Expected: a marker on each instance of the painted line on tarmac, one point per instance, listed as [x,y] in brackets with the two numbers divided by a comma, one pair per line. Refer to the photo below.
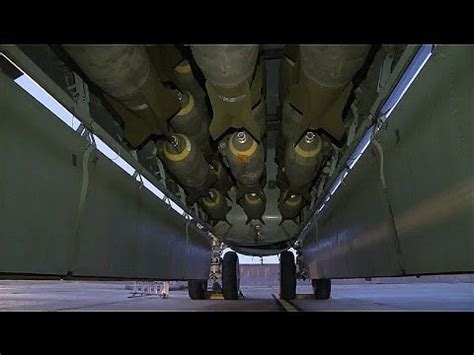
[286,306]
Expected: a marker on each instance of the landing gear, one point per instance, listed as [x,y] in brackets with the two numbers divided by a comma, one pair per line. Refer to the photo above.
[287,276]
[321,288]
[301,268]
[230,276]
[197,289]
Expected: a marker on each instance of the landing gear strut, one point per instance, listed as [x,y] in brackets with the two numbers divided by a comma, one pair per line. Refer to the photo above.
[198,288]
[216,263]
[321,288]
[230,276]
[287,276]
[301,268]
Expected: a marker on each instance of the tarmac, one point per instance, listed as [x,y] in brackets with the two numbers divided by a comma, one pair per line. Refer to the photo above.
[117,296]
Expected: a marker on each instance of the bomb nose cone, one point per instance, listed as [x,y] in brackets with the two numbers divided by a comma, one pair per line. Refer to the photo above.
[310,142]
[242,141]
[241,137]
[175,144]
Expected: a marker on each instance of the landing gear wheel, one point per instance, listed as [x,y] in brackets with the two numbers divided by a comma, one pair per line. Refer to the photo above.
[230,276]
[321,288]
[287,276]
[197,289]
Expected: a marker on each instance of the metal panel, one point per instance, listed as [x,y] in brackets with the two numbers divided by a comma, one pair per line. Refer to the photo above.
[118,214]
[355,232]
[38,184]
[125,231]
[423,222]
[272,99]
[428,149]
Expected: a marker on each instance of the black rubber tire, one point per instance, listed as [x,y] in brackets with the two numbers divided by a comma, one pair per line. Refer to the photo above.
[321,288]
[197,289]
[230,276]
[287,276]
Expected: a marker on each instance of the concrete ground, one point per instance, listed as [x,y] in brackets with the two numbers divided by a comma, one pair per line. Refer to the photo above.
[113,296]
